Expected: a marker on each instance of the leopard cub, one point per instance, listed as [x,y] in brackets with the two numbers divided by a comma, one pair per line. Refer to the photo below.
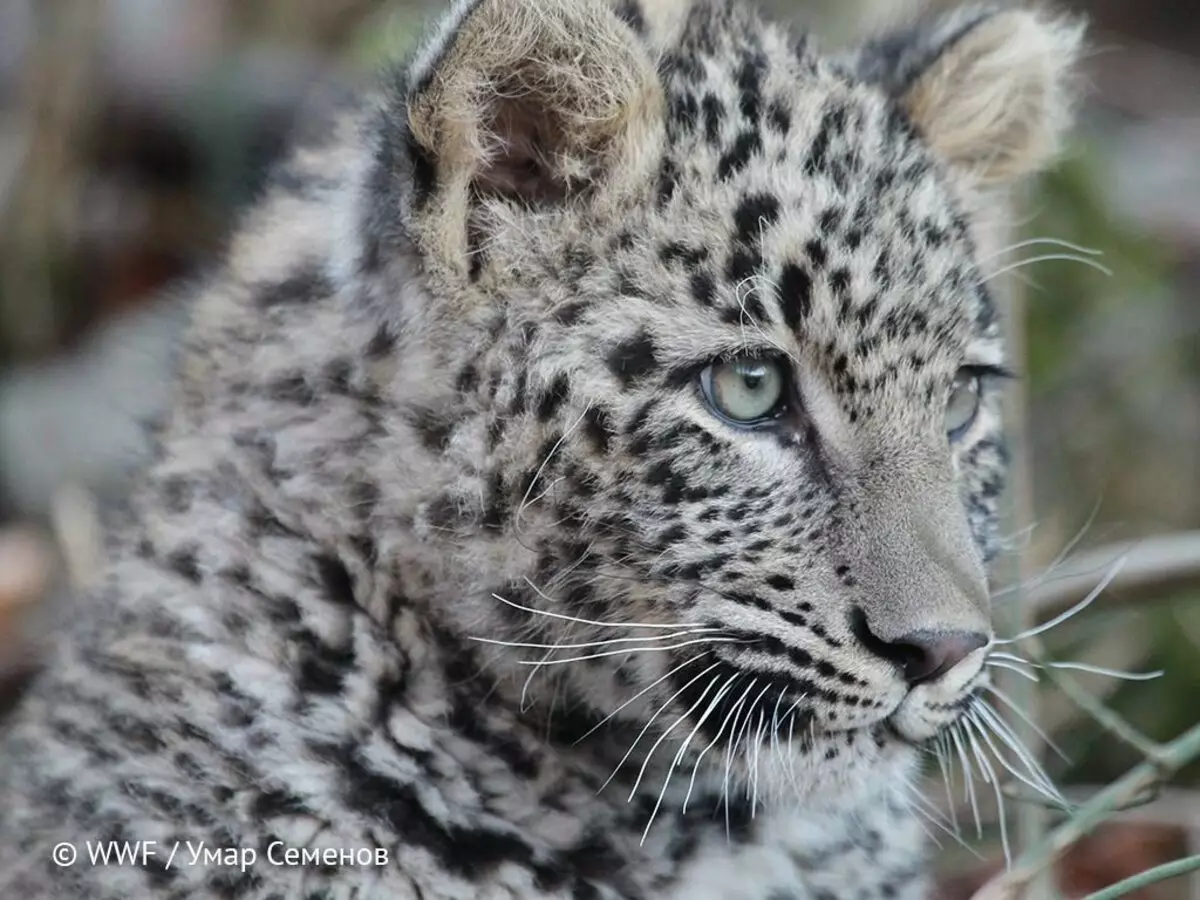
[579,482]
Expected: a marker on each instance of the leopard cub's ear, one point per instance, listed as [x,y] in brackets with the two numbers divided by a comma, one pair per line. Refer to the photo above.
[532,102]
[989,89]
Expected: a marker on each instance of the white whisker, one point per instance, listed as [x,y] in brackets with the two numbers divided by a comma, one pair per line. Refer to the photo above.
[735,714]
[671,768]
[604,643]
[1079,607]
[1037,778]
[1101,670]
[699,723]
[758,742]
[629,651]
[566,618]
[968,777]
[1049,257]
[641,734]
[666,733]
[1008,701]
[946,770]
[1001,664]
[1043,241]
[525,501]
[989,777]
[657,681]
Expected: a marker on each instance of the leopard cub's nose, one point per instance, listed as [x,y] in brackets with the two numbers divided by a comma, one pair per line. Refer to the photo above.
[922,656]
[925,656]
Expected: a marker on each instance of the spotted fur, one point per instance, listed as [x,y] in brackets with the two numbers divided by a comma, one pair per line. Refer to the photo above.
[444,553]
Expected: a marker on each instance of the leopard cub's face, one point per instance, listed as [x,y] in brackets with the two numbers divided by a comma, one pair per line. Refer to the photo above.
[725,364]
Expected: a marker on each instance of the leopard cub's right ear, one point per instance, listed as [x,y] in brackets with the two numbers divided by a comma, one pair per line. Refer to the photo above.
[990,88]
[525,105]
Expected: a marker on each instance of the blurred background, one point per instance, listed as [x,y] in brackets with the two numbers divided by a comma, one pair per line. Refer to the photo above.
[132,131]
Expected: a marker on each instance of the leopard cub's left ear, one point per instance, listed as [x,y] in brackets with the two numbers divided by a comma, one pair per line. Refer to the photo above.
[991,90]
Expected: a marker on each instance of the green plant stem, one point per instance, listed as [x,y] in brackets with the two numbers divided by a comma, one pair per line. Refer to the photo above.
[1035,860]
[1172,869]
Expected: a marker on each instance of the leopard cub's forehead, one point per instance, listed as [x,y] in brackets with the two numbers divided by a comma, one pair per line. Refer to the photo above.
[792,203]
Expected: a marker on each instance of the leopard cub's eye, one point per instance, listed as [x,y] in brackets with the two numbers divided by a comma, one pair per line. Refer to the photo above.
[963,403]
[744,391]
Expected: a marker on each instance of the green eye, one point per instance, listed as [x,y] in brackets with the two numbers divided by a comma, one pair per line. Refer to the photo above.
[744,391]
[963,404]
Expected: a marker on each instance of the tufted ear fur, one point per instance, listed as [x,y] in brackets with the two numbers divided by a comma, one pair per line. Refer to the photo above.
[532,101]
[988,88]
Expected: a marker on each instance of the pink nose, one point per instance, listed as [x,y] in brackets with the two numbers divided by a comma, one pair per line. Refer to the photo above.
[926,656]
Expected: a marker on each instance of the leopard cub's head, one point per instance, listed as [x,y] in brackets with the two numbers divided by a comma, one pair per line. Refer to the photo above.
[704,358]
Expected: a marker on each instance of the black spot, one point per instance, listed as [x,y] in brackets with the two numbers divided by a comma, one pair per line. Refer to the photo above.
[703,288]
[672,535]
[306,286]
[569,313]
[467,381]
[755,213]
[381,344]
[321,669]
[272,803]
[795,288]
[832,122]
[598,429]
[292,389]
[839,281]
[630,13]
[714,112]
[183,561]
[337,374]
[747,144]
[743,264]
[749,82]
[673,251]
[335,579]
[668,180]
[781,582]
[633,358]
[553,399]
[432,428]
[829,219]
[683,111]
[779,117]
[495,508]
[817,256]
